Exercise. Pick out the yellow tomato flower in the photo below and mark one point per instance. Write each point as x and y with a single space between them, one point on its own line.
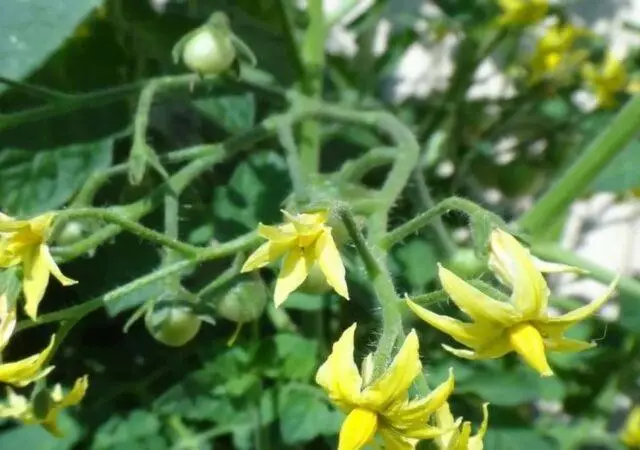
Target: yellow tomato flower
304 241
522 325
606 81
522 12
25 242
554 55
630 434
47 409
459 437
380 406
27 370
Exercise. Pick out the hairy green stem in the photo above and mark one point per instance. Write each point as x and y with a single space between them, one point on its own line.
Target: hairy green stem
114 217
240 244
355 169
422 220
584 170
313 60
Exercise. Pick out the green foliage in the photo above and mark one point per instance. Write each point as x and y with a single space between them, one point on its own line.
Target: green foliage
70 79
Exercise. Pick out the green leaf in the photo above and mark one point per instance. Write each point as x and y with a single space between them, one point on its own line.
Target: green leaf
515 438
418 261
622 173
34 436
137 431
305 414
516 387
297 356
34 29
254 194
34 182
234 113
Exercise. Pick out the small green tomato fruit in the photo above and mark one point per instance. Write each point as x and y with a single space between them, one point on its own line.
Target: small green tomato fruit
244 302
172 325
209 52
315 283
70 233
465 263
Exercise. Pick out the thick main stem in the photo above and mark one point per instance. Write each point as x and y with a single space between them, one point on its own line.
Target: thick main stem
583 171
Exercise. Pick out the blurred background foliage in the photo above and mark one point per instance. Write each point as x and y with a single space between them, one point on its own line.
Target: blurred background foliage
90 60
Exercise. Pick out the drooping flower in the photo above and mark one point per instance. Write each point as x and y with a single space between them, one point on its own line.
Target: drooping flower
459 437
44 410
27 370
25 242
380 406
606 80
630 434
555 56
522 12
305 241
523 324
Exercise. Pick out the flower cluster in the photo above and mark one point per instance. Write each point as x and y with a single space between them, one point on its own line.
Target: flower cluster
24 243
377 404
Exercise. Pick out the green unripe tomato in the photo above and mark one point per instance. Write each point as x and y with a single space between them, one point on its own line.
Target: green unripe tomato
465 263
209 51
71 232
172 325
315 283
244 302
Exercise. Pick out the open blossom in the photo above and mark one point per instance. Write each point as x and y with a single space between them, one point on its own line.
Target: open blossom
304 241
555 56
523 324
27 370
381 406
606 80
47 409
522 12
458 437
25 242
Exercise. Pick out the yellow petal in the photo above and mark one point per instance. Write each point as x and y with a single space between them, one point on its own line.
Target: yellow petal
34 279
41 224
328 256
579 314
527 342
7 321
295 269
358 429
394 383
562 344
475 443
491 349
465 333
277 234
25 371
54 269
514 266
418 412
630 434
396 441
265 254
76 394
477 305
339 374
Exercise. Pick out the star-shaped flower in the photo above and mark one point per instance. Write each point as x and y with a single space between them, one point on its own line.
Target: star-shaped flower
306 242
45 410
381 406
25 242
522 12
27 370
522 325
458 437
606 80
